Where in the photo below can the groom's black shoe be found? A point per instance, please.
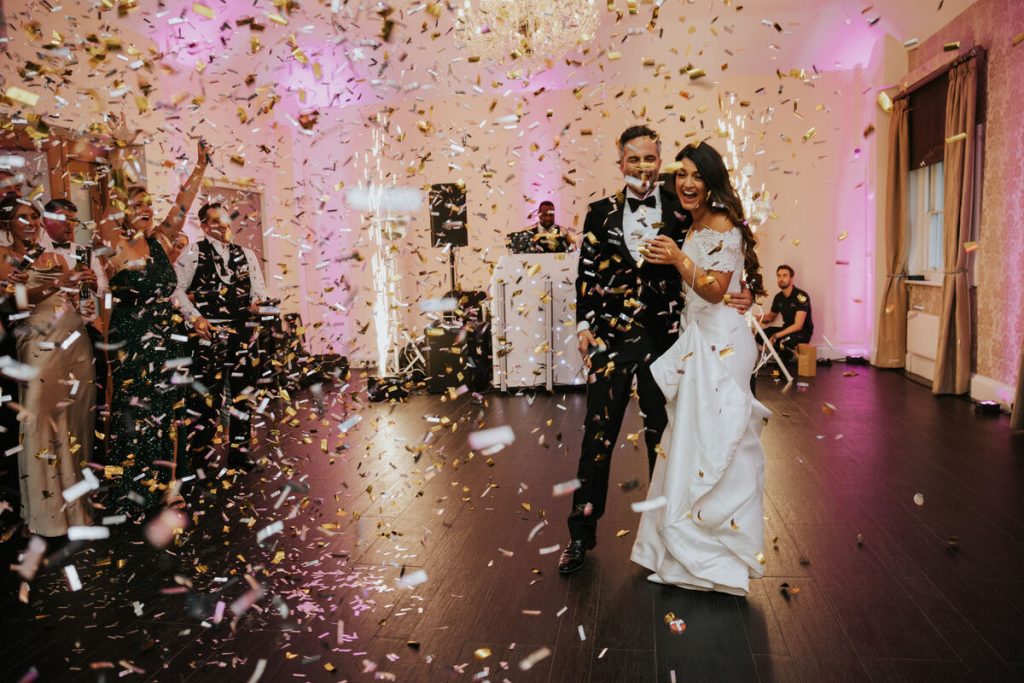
(573, 555)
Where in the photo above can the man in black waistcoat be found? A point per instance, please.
(220, 285)
(627, 314)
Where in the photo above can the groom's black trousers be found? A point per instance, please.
(609, 389)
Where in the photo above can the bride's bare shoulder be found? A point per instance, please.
(720, 223)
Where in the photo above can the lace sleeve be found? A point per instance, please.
(721, 251)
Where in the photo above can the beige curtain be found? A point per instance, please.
(891, 343)
(1017, 417)
(953, 359)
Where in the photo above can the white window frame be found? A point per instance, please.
(926, 222)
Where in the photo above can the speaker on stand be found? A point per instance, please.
(448, 221)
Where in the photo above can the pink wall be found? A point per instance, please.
(1000, 318)
(818, 186)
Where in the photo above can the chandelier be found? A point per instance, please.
(526, 33)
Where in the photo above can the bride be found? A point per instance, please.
(703, 525)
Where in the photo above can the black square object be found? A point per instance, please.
(446, 366)
(448, 215)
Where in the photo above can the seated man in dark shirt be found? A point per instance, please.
(544, 237)
(794, 305)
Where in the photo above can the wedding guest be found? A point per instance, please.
(60, 218)
(57, 398)
(147, 332)
(220, 286)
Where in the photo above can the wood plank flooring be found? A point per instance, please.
(881, 587)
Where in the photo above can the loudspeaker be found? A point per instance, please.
(445, 363)
(448, 215)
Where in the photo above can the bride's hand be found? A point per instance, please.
(663, 251)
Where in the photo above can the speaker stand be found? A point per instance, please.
(451, 269)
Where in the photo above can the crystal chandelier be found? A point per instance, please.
(527, 33)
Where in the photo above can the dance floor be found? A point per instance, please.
(895, 547)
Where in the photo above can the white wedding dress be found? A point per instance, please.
(709, 533)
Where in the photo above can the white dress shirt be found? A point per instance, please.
(642, 224)
(637, 227)
(70, 256)
(188, 260)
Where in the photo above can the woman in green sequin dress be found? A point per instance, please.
(148, 346)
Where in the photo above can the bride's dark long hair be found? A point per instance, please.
(722, 198)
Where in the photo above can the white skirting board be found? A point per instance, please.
(987, 389)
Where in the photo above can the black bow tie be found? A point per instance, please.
(635, 203)
(62, 245)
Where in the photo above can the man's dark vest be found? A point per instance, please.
(221, 293)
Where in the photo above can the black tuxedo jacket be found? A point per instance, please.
(621, 300)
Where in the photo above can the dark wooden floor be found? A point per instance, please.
(880, 587)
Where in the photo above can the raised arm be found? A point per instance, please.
(175, 220)
(112, 214)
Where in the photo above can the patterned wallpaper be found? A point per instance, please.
(999, 260)
(925, 298)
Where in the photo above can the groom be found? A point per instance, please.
(627, 314)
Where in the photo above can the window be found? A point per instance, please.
(926, 222)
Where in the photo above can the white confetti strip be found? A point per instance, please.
(88, 533)
(647, 505)
(74, 583)
(414, 579)
(565, 487)
(487, 439)
(534, 657)
(269, 530)
(258, 671)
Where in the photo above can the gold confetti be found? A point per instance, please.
(956, 138)
(202, 10)
(810, 134)
(869, 130)
(23, 96)
(843, 235)
(621, 532)
(612, 56)
(694, 74)
(828, 408)
(970, 246)
(726, 352)
(951, 46)
(760, 558)
(885, 102)
(1018, 39)
(482, 653)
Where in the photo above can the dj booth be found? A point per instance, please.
(533, 321)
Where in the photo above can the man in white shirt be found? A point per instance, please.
(220, 286)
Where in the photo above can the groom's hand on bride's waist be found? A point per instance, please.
(586, 342)
(741, 300)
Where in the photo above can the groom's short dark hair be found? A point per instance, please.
(634, 132)
(205, 210)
